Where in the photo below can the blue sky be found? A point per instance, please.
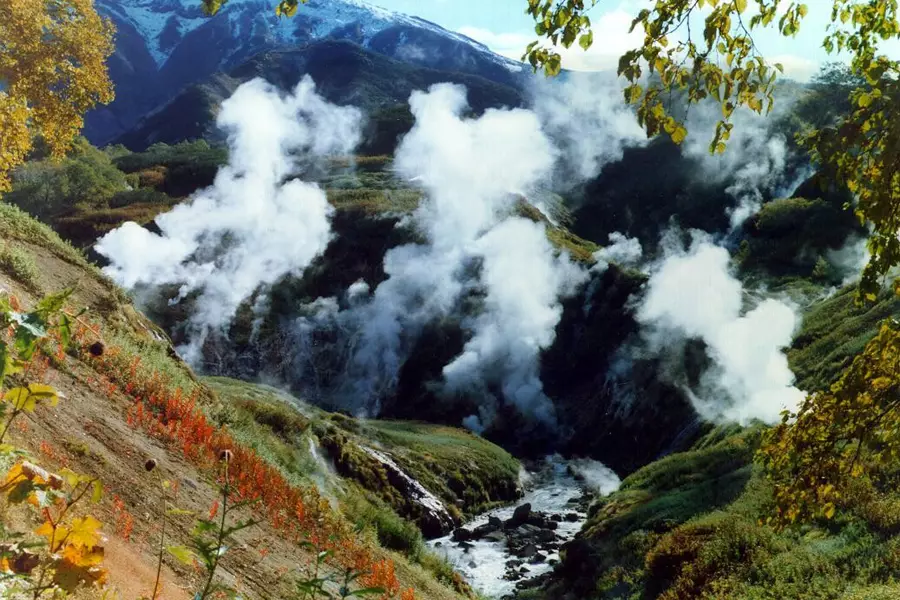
(504, 26)
(493, 15)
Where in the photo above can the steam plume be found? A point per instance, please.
(693, 295)
(586, 117)
(473, 171)
(755, 162)
(254, 225)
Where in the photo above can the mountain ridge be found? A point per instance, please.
(164, 46)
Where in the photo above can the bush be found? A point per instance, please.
(138, 196)
(177, 170)
(47, 188)
(789, 235)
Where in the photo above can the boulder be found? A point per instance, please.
(495, 536)
(482, 530)
(461, 535)
(519, 517)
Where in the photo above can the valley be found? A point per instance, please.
(439, 327)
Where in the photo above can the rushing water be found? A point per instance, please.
(551, 490)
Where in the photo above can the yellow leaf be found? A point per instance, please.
(43, 392)
(54, 537)
(21, 399)
(14, 474)
(83, 556)
(84, 532)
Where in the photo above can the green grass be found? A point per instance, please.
(375, 201)
(453, 463)
(833, 332)
(154, 356)
(688, 526)
(283, 430)
(19, 265)
(19, 225)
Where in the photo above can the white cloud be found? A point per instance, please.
(801, 55)
(694, 295)
(796, 67)
(611, 40)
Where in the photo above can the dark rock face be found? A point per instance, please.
(611, 407)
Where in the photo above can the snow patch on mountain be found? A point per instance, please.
(317, 19)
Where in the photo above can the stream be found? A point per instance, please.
(504, 547)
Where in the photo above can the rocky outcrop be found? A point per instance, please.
(433, 518)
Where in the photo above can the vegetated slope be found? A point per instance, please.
(345, 73)
(688, 526)
(164, 46)
(137, 401)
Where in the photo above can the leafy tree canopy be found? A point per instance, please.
(52, 70)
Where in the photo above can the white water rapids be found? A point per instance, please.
(551, 490)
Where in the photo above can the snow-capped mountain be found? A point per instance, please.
(165, 45)
(163, 23)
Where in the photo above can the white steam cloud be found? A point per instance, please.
(473, 172)
(621, 250)
(693, 295)
(524, 279)
(253, 226)
(597, 477)
(584, 113)
(850, 259)
(755, 161)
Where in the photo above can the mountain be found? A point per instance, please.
(163, 46)
(345, 73)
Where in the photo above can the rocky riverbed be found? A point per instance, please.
(503, 549)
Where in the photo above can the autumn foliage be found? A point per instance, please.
(167, 413)
(53, 69)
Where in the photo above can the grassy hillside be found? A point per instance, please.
(689, 526)
(833, 332)
(133, 400)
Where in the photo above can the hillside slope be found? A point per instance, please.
(108, 426)
(688, 526)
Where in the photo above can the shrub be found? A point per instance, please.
(142, 195)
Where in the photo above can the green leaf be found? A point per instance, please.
(97, 492)
(181, 554)
(20, 399)
(586, 40)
